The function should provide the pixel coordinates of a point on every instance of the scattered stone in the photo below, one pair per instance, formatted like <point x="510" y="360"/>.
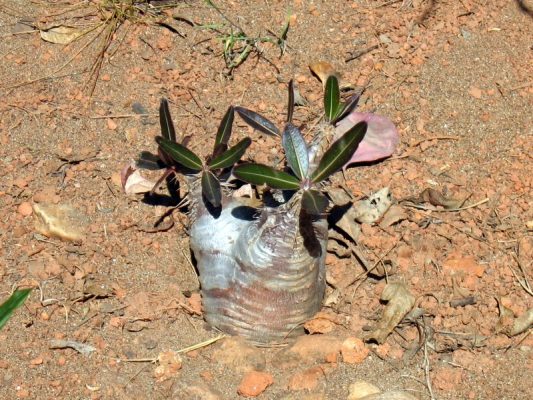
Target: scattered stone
<point x="239" y="355"/>
<point x="254" y="383"/>
<point x="306" y="380"/>
<point x="354" y="351"/>
<point x="201" y="392"/>
<point x="169" y="366"/>
<point x="315" y="347"/>
<point x="25" y="209"/>
<point x="361" y="389"/>
<point x="61" y="221"/>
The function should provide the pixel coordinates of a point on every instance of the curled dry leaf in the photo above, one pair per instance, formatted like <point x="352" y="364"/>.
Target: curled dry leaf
<point x="380" y="140"/>
<point x="323" y="70"/>
<point x="61" y="34"/>
<point x="133" y="182"/>
<point x="435" y="198"/>
<point x="374" y="207"/>
<point x="393" y="215"/>
<point x="347" y="221"/>
<point x="399" y="302"/>
<point x="510" y="325"/>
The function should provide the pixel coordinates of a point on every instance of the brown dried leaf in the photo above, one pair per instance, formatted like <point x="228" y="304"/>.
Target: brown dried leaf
<point x="61" y="221"/>
<point x="510" y="325"/>
<point x="323" y="70"/>
<point x="393" y="215"/>
<point x="61" y="34"/>
<point x="435" y="198"/>
<point x="133" y="182"/>
<point x="400" y="302"/>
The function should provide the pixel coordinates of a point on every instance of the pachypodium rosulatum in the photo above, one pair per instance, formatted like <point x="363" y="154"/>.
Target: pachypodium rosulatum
<point x="262" y="269"/>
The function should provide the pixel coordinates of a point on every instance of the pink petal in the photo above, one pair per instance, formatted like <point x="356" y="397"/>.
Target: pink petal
<point x="380" y="140"/>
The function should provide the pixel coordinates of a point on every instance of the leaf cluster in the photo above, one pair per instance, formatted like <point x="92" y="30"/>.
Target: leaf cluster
<point x="297" y="151"/>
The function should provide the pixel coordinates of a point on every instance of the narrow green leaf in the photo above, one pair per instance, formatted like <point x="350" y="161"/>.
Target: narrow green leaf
<point x="340" y="152"/>
<point x="224" y="129"/>
<point x="347" y="107"/>
<point x="257" y="121"/>
<point x="332" y="96"/>
<point x="167" y="127"/>
<point x="180" y="153"/>
<point x="314" y="202"/>
<point x="290" y="106"/>
<point x="230" y="156"/>
<point x="259" y="174"/>
<point x="211" y="188"/>
<point x="11" y="304"/>
<point x="295" y="150"/>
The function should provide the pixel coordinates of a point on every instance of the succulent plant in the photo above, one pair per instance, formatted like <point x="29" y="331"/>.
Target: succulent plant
<point x="262" y="270"/>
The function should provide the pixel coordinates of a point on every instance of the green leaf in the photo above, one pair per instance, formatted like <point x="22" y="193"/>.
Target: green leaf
<point x="230" y="156"/>
<point x="211" y="188"/>
<point x="290" y="106"/>
<point x="295" y="150"/>
<point x="259" y="174"/>
<point x="347" y="108"/>
<point x="340" y="152"/>
<point x="332" y="96"/>
<point x="167" y="127"/>
<point x="15" y="301"/>
<point x="180" y="153"/>
<point x="257" y="121"/>
<point x="224" y="129"/>
<point x="314" y="202"/>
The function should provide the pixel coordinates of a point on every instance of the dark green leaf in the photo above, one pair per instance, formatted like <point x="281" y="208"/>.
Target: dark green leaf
<point x="259" y="174"/>
<point x="15" y="301"/>
<point x="290" y="107"/>
<point x="340" y="152"/>
<point x="211" y="188"/>
<point x="224" y="129"/>
<point x="167" y="127"/>
<point x="257" y="121"/>
<point x="180" y="153"/>
<point x="347" y="107"/>
<point x="230" y="156"/>
<point x="314" y="202"/>
<point x="332" y="96"/>
<point x="295" y="150"/>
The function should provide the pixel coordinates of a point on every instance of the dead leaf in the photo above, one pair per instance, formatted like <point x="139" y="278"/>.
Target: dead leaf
<point x="82" y="348"/>
<point x="374" y="207"/>
<point x="510" y="325"/>
<point x="323" y="322"/>
<point x="323" y="70"/>
<point x="435" y="198"/>
<point x="400" y="302"/>
<point x="133" y="182"/>
<point x="61" y="34"/>
<point x="347" y="221"/>
<point x="393" y="215"/>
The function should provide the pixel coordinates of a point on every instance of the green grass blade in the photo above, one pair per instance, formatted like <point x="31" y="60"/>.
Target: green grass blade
<point x="230" y="156"/>
<point x="224" y="129"/>
<point x="11" y="304"/>
<point x="314" y="202"/>
<point x="211" y="188"/>
<point x="332" y="96"/>
<point x="167" y="126"/>
<point x="259" y="174"/>
<point x="340" y="152"/>
<point x="180" y="153"/>
<point x="257" y="121"/>
<point x="295" y="150"/>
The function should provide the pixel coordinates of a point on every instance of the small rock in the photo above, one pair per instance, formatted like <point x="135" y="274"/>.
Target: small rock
<point x="254" y="383"/>
<point x="61" y="221"/>
<point x="201" y="392"/>
<point x="111" y="125"/>
<point x="315" y="347"/>
<point x="361" y="389"/>
<point x="25" y="209"/>
<point x="354" y="351"/>
<point x="169" y="365"/>
<point x="239" y="355"/>
<point x="392" y="395"/>
<point x="475" y="92"/>
<point x="306" y="380"/>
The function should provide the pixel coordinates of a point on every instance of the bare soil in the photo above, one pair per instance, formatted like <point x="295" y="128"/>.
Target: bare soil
<point x="456" y="79"/>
